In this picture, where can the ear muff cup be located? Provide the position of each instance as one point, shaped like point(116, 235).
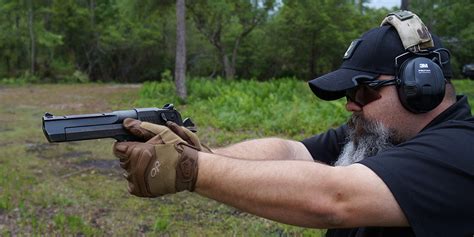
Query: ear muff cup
point(422, 85)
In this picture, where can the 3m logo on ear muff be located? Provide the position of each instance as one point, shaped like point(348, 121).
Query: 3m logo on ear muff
point(423, 68)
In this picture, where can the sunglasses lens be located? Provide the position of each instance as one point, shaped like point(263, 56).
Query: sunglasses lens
point(362, 95)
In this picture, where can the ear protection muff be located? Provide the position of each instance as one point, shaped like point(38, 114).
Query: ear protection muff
point(421, 85)
point(421, 80)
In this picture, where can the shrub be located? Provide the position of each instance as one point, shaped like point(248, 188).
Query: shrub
point(280, 106)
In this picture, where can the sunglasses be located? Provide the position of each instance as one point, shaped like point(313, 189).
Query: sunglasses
point(367, 91)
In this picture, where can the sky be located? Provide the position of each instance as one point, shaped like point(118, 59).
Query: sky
point(384, 3)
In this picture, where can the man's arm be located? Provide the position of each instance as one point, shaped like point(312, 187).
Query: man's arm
point(291, 191)
point(266, 149)
point(300, 193)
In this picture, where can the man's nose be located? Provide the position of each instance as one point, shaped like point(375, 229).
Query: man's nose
point(353, 107)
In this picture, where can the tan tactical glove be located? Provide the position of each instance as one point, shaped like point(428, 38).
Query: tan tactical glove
point(164, 164)
point(146, 131)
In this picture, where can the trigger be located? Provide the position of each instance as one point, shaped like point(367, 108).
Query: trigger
point(188, 123)
point(163, 116)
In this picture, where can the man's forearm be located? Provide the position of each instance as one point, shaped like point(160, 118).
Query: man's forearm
point(282, 190)
point(266, 149)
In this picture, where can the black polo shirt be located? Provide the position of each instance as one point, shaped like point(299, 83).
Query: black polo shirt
point(431, 176)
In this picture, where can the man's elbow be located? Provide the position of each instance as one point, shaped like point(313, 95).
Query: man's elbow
point(329, 212)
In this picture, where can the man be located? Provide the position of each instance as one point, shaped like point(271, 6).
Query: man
point(403, 163)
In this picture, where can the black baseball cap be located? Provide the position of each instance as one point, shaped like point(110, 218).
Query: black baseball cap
point(367, 57)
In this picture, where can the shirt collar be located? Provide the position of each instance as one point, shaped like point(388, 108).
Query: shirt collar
point(460, 110)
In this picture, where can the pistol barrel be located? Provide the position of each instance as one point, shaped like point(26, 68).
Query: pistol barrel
point(106, 125)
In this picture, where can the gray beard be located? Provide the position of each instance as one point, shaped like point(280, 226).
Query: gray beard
point(366, 138)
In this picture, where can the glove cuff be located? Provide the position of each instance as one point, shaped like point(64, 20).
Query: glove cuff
point(187, 168)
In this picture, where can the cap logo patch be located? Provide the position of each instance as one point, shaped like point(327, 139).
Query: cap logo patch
point(351, 48)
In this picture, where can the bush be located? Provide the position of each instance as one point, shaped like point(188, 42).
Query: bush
point(277, 107)
point(25, 78)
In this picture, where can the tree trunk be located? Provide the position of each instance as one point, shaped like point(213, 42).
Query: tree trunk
point(91, 53)
point(32, 37)
point(313, 55)
point(18, 58)
point(228, 68)
point(180, 67)
point(405, 5)
point(234, 55)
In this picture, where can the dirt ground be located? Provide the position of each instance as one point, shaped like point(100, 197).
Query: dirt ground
point(76, 188)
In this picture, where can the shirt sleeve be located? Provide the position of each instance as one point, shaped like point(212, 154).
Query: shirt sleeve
point(432, 178)
point(326, 147)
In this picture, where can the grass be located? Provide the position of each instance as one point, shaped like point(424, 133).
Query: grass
point(76, 188)
point(465, 87)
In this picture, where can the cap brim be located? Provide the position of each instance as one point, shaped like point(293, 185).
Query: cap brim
point(333, 85)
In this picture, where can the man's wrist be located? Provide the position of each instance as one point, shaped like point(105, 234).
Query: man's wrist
point(187, 169)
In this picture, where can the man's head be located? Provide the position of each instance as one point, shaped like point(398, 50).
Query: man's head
point(368, 57)
point(378, 76)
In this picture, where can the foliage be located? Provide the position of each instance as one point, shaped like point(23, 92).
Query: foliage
point(280, 106)
point(453, 21)
point(234, 110)
point(307, 37)
point(465, 87)
point(226, 23)
point(134, 41)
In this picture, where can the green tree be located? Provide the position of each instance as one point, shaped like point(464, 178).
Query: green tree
point(25, 41)
point(453, 21)
point(314, 34)
point(226, 23)
point(305, 38)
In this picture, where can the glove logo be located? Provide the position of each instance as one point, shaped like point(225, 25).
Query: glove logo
point(187, 169)
point(155, 169)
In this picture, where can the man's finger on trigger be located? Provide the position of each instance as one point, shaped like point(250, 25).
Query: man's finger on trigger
point(178, 130)
point(134, 127)
point(173, 126)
